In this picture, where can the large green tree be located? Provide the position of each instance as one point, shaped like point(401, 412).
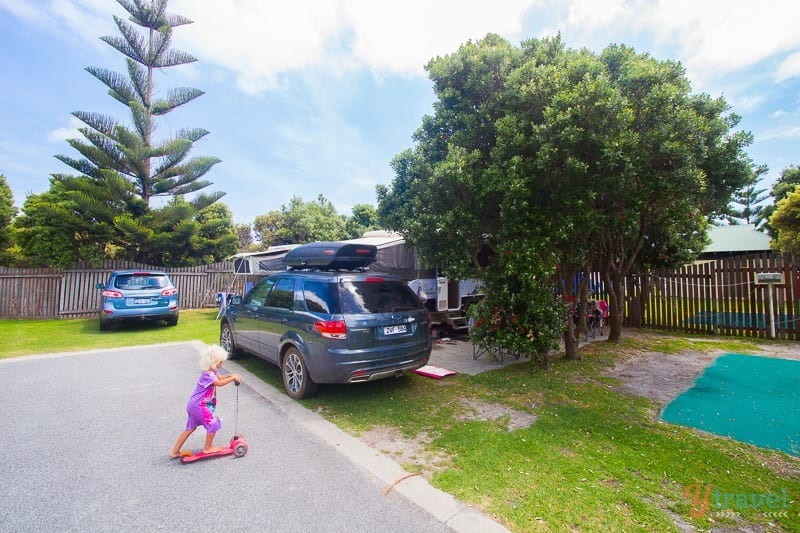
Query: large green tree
point(156, 167)
point(786, 183)
point(574, 161)
point(747, 206)
point(363, 218)
point(300, 222)
point(784, 221)
point(106, 209)
point(7, 214)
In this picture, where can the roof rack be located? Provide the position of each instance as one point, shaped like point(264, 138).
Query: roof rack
point(331, 256)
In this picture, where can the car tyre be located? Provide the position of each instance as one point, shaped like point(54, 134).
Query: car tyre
point(172, 321)
point(105, 325)
point(227, 342)
point(296, 380)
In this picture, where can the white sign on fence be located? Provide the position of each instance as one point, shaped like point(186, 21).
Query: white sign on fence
point(769, 278)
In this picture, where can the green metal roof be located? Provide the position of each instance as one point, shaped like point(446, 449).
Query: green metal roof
point(737, 238)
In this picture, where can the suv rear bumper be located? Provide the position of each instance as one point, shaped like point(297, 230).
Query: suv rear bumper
point(345, 366)
point(360, 376)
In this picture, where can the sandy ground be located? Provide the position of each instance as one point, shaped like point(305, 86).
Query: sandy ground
point(661, 377)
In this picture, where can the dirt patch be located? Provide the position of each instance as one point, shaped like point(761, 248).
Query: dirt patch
point(415, 455)
point(659, 376)
point(480, 410)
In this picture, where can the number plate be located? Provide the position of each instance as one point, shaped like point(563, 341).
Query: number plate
point(139, 301)
point(394, 330)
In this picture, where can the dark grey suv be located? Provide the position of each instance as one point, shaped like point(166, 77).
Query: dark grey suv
point(328, 320)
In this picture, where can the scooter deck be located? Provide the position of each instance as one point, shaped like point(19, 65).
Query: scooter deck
point(227, 450)
point(237, 447)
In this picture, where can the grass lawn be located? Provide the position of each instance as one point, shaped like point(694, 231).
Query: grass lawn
point(594, 459)
point(25, 337)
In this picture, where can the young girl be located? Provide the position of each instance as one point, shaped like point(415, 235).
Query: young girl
point(203, 401)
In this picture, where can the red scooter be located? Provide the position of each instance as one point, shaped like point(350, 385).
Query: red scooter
point(237, 446)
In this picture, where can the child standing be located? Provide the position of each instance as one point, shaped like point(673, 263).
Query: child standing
point(203, 400)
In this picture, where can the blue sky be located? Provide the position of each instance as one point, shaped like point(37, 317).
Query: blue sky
point(316, 96)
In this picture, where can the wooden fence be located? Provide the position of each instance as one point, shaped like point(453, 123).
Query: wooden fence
point(71, 292)
point(717, 297)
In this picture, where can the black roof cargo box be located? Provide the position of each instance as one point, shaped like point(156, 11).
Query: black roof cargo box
point(331, 256)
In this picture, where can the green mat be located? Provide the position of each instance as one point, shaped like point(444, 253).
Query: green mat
point(748, 398)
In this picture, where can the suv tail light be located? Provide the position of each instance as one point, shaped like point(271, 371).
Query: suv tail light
point(172, 291)
point(109, 293)
point(332, 329)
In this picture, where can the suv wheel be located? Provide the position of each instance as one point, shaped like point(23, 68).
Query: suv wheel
point(296, 381)
point(227, 342)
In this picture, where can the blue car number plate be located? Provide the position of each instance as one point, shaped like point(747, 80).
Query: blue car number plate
point(139, 301)
point(394, 330)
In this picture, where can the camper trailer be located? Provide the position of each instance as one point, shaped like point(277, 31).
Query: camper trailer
point(447, 300)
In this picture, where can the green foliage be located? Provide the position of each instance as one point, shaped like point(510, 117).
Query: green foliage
point(364, 218)
point(786, 220)
point(520, 313)
point(748, 200)
point(605, 162)
point(180, 233)
point(300, 222)
point(245, 234)
point(785, 185)
point(7, 214)
point(74, 220)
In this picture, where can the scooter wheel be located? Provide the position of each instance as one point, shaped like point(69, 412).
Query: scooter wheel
point(240, 450)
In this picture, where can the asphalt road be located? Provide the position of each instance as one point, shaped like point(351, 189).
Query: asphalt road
point(85, 439)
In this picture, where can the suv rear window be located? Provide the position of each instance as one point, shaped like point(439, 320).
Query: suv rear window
point(379, 296)
point(140, 281)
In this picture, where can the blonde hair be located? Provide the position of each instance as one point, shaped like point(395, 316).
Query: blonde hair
point(211, 356)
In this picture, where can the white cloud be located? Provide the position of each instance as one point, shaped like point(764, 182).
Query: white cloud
point(260, 40)
point(69, 132)
point(257, 40)
point(787, 133)
point(403, 37)
point(789, 68)
point(711, 37)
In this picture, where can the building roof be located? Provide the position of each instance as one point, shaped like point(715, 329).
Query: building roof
point(736, 238)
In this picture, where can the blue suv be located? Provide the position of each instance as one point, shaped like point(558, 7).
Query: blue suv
point(329, 320)
point(138, 295)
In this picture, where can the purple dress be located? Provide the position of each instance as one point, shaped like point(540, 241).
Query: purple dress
point(202, 403)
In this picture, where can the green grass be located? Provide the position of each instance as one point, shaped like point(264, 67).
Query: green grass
point(25, 337)
point(594, 459)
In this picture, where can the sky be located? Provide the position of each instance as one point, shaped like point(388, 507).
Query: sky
point(315, 97)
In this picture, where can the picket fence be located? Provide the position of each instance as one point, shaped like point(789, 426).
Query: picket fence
point(72, 292)
point(716, 297)
point(719, 297)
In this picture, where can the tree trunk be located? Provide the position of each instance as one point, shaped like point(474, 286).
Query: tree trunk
point(571, 352)
point(616, 305)
point(570, 335)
